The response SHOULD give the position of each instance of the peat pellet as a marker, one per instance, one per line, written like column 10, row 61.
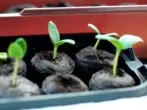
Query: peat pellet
column 63, row 84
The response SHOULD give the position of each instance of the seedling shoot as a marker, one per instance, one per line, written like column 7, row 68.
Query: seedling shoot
column 125, row 42
column 17, row 51
column 93, row 27
column 55, row 38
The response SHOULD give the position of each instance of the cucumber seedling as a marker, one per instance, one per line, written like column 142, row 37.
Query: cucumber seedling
column 55, row 38
column 16, row 51
column 93, row 27
column 124, row 42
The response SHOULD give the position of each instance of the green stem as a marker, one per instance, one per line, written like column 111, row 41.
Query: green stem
column 55, row 52
column 96, row 44
column 116, row 62
column 15, row 71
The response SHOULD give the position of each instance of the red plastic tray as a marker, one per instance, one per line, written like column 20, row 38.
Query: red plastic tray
column 121, row 19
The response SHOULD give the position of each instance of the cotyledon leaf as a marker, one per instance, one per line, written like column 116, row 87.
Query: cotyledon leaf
column 93, row 27
column 53, row 32
column 3, row 56
column 113, row 40
column 22, row 44
column 128, row 41
column 15, row 51
column 70, row 41
column 112, row 34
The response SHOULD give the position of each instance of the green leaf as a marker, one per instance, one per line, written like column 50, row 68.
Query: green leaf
column 70, row 41
column 3, row 56
column 113, row 40
column 15, row 51
column 129, row 40
column 93, row 27
column 112, row 34
column 53, row 32
column 61, row 42
column 22, row 43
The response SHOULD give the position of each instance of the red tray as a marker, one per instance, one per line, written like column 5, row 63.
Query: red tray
column 121, row 19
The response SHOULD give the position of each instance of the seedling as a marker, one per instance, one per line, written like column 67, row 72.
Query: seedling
column 17, row 51
column 93, row 27
column 125, row 42
column 55, row 38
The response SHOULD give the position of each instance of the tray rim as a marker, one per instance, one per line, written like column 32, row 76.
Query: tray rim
column 83, row 9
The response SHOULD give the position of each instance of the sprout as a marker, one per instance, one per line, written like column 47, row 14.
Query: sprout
column 55, row 38
column 17, row 51
column 125, row 42
column 3, row 56
column 98, row 32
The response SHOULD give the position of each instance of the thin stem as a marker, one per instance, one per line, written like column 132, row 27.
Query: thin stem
column 116, row 62
column 15, row 71
column 96, row 44
column 55, row 52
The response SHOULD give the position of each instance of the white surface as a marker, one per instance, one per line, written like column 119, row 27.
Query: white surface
column 120, row 104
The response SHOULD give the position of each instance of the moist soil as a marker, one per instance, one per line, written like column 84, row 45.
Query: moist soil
column 24, row 87
column 44, row 65
column 89, row 60
column 104, row 79
column 63, row 84
column 6, row 67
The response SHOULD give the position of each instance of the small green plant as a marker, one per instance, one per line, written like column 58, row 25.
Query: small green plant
column 17, row 51
column 55, row 38
column 125, row 42
column 93, row 27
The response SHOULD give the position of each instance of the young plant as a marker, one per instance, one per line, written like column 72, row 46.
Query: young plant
column 17, row 51
column 93, row 27
column 55, row 38
column 125, row 42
